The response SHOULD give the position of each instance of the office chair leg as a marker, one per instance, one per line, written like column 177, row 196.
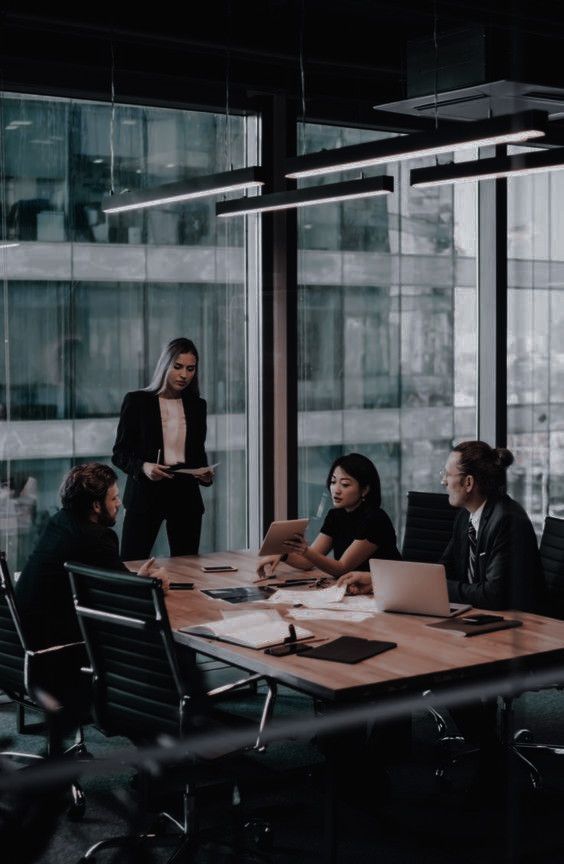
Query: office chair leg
column 267, row 710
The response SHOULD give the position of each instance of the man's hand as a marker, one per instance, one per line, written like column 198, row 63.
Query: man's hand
column 156, row 472
column 150, row 569
column 356, row 582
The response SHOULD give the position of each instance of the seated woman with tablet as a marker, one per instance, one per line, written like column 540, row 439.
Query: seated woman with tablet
column 355, row 529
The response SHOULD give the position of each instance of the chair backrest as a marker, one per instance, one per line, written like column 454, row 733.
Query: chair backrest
column 552, row 560
column 428, row 526
column 13, row 649
column 139, row 690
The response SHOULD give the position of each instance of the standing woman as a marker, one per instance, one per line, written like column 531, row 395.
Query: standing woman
column 159, row 427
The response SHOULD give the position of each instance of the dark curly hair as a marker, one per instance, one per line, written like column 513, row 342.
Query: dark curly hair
column 487, row 465
column 364, row 472
column 84, row 485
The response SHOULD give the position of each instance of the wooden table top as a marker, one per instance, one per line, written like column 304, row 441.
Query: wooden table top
column 424, row 657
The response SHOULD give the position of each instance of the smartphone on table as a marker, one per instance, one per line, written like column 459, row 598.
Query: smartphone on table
column 219, row 568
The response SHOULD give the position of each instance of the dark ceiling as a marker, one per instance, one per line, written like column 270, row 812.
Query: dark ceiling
column 339, row 57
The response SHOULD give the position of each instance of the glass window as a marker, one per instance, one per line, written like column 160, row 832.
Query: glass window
column 89, row 301
column 535, row 344
column 387, row 331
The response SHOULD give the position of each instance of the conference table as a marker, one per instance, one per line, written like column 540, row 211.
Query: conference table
column 424, row 658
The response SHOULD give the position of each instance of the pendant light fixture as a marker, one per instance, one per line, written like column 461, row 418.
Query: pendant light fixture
column 505, row 129
column 493, row 168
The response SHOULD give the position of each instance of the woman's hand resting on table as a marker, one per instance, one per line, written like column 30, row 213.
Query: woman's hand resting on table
column 356, row 582
column 267, row 566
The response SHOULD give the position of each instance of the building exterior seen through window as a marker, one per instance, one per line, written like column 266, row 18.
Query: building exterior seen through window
column 387, row 336
column 89, row 300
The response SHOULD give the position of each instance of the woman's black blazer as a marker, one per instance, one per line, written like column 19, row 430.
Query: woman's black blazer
column 139, row 439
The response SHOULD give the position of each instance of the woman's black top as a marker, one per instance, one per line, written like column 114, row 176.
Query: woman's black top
column 363, row 523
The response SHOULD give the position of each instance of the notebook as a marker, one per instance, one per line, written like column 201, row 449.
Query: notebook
column 250, row 629
column 349, row 649
column 407, row 586
column 461, row 628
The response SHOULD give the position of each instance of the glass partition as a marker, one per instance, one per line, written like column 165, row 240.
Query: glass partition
column 387, row 330
column 88, row 301
column 535, row 343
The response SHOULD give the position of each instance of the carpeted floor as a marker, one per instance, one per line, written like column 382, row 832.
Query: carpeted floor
column 282, row 807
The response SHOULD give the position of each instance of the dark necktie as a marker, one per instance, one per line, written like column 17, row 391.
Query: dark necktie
column 472, row 544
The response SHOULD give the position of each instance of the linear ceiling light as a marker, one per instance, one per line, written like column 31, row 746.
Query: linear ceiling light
column 368, row 187
column 489, row 169
column 506, row 129
column 184, row 190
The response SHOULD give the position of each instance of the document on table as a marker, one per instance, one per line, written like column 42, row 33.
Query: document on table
column 306, row 597
column 251, row 629
column 328, row 615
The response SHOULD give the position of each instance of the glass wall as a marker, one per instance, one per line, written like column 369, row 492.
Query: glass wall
column 89, row 301
column 387, row 330
column 535, row 348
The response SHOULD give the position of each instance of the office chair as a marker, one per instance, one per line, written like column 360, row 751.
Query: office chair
column 22, row 674
column 144, row 689
column 521, row 743
column 552, row 560
column 428, row 526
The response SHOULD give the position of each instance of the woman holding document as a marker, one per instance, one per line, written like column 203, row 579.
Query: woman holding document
column 355, row 529
column 162, row 428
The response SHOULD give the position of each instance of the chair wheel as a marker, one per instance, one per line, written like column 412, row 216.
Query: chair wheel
column 78, row 807
column 523, row 736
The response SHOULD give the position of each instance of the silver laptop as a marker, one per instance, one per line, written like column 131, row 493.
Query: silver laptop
column 405, row 586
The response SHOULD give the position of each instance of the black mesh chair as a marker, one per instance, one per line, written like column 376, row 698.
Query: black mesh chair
column 552, row 560
column 144, row 689
column 428, row 526
column 25, row 677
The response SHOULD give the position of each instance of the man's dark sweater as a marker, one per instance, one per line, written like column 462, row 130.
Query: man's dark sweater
column 43, row 590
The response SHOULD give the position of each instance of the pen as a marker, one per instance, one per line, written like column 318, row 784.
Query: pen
column 159, row 457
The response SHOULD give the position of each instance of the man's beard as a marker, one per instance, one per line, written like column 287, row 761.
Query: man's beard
column 104, row 518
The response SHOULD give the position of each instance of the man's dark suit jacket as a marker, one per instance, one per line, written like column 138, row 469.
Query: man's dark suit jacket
column 140, row 438
column 43, row 590
column 508, row 572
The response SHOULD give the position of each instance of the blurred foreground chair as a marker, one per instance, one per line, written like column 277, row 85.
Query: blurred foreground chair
column 147, row 691
column 25, row 677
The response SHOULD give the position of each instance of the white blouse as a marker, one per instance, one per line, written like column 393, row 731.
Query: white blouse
column 173, row 421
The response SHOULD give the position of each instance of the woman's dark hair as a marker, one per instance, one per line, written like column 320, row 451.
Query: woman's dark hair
column 85, row 484
column 487, row 465
column 364, row 472
column 168, row 355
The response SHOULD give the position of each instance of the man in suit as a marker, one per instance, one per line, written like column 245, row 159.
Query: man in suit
column 81, row 531
column 492, row 560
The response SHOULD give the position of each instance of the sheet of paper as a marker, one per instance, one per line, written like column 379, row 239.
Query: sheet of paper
column 364, row 603
column 307, row 597
column 327, row 615
column 197, row 472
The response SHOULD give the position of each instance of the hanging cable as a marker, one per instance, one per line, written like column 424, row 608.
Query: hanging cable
column 436, row 69
column 112, row 118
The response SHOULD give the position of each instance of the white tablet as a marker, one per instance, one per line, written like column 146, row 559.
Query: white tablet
column 280, row 531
